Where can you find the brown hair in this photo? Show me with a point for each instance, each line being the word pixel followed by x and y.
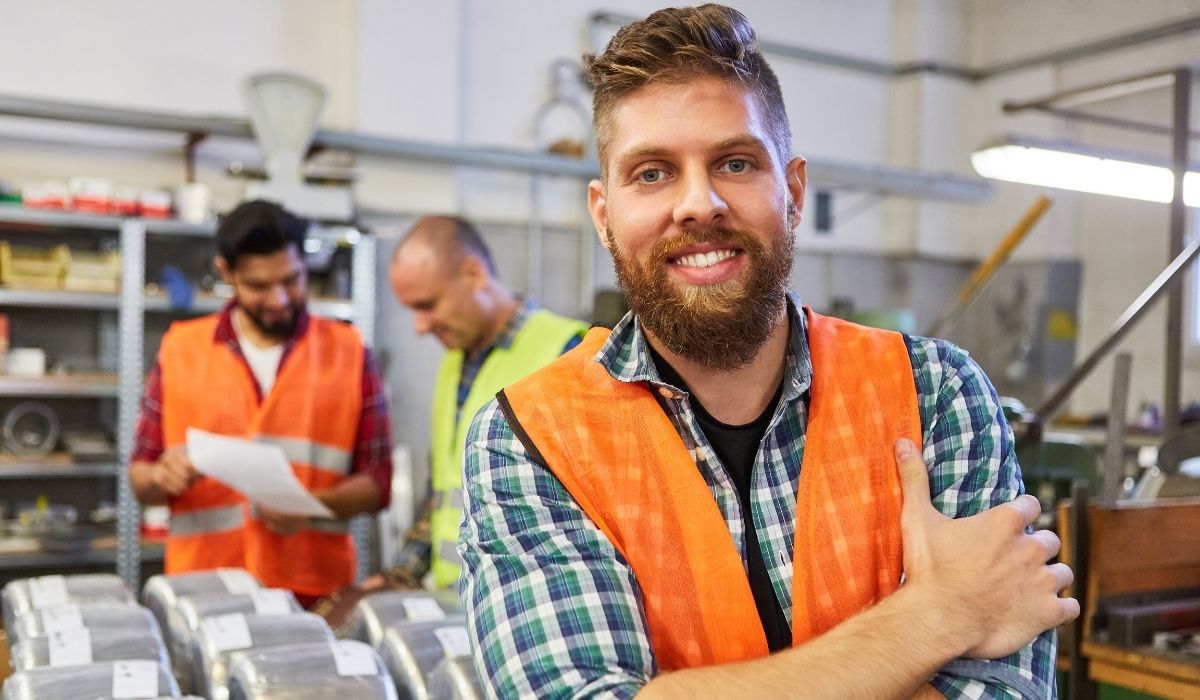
pixel 676 45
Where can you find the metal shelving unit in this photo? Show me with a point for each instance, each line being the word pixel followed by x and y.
pixel 127 342
pixel 40 470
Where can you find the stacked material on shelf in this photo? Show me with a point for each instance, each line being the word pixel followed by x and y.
pixel 345 670
pixel 378 611
pixel 412 650
pixel 190 611
pixel 79 647
pixel 22 596
pixel 118 679
pixel 218 637
pixel 93 618
pixel 162 593
pixel 455 679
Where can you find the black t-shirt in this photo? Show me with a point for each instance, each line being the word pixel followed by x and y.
pixel 736 446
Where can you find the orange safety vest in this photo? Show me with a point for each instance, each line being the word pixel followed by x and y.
pixel 620 458
pixel 312 412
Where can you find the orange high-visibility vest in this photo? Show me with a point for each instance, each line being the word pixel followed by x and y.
pixel 312 412
pixel 620 458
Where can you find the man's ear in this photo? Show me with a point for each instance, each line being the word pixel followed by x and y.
pixel 598 208
pixel 474 272
pixel 223 268
pixel 797 183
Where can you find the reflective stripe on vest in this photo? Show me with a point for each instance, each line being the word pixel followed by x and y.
pixel 537 343
pixel 448 552
pixel 621 459
pixel 206 520
pixel 300 451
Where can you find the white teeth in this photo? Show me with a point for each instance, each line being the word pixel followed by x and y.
pixel 705 259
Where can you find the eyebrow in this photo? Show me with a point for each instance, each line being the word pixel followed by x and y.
pixel 742 141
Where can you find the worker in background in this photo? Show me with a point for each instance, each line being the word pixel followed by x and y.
pixel 722 496
pixel 264 368
pixel 443 271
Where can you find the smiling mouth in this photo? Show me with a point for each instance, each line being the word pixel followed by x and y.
pixel 703 260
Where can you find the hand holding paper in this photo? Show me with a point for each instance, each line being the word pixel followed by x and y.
pixel 259 471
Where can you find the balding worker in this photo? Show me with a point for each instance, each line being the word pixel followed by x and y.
pixel 443 271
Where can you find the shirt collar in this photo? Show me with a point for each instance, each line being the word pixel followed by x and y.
pixel 626 356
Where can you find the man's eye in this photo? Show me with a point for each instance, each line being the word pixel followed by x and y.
pixel 737 165
pixel 650 176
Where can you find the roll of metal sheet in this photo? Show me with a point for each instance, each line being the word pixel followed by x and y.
pixel 81 646
pixel 219 636
pixel 161 593
pixel 190 610
pixel 345 670
pixel 412 650
pixel 378 611
pixel 138 679
pixel 21 596
pixel 455 679
pixel 126 618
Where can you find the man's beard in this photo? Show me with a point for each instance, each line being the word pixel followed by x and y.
pixel 719 326
pixel 283 329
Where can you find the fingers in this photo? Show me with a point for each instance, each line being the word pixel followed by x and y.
pixel 914 477
pixel 1022 511
pixel 1062 575
pixel 1050 543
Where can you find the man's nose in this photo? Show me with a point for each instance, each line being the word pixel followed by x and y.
pixel 699 202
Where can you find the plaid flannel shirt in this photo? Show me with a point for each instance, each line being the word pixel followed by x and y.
pixel 554 610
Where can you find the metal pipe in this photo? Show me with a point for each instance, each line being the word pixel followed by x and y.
pixel 1114 122
pixel 1118 410
pixel 1165 280
pixel 1136 83
pixel 1179 165
pixel 988 268
pixel 965 73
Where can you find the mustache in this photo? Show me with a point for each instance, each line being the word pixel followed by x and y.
pixel 666 249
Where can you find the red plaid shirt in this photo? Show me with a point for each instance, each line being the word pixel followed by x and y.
pixel 373 445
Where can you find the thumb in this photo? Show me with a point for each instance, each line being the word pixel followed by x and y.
pixel 914 477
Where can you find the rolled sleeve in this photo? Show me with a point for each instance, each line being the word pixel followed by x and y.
pixel 973 467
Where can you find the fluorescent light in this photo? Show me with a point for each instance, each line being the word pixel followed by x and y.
pixel 1065 170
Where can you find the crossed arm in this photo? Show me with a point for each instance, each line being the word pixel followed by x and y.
pixel 554 609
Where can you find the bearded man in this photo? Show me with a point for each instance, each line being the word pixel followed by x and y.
pixel 722 496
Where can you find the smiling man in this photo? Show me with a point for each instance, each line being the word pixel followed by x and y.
pixel 263 368
pixel 722 496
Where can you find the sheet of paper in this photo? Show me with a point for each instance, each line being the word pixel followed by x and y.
pixel 62 619
pixel 71 648
pixel 454 641
pixel 261 472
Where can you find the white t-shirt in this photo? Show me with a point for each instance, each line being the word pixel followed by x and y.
pixel 264 362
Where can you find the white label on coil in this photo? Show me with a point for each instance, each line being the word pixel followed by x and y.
pixel 270 602
pixel 354 660
pixel 135 679
pixel 423 609
pixel 61 619
pixel 228 632
pixel 47 592
pixel 70 648
pixel 236 581
pixel 454 641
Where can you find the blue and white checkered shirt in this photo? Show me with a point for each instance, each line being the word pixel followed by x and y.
pixel 554 610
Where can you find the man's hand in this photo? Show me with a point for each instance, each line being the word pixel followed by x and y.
pixel 173 473
pixel 986 576
pixel 281 523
